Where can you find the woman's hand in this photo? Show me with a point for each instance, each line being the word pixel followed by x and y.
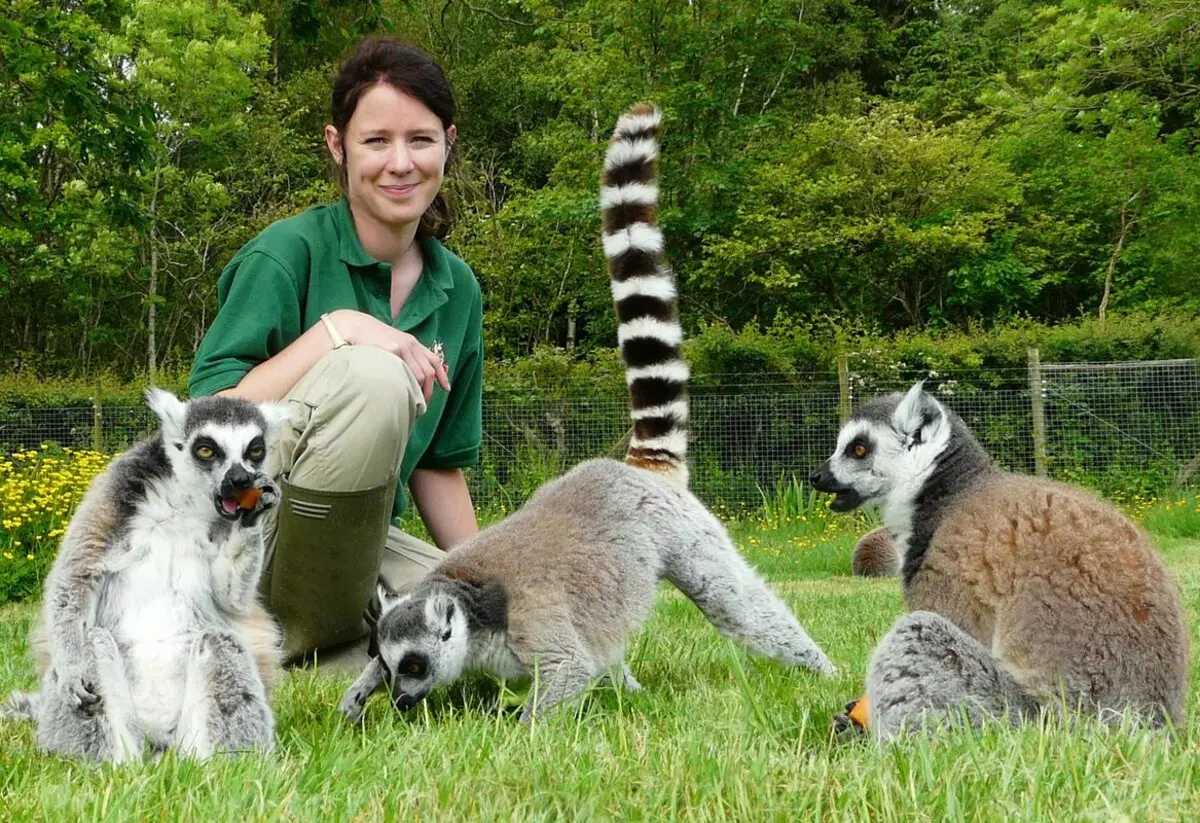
pixel 362 329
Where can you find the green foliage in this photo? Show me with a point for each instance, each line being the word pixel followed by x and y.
pixel 874 210
pixel 832 171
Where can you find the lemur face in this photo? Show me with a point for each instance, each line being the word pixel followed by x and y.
pixel 422 642
pixel 887 444
pixel 216 445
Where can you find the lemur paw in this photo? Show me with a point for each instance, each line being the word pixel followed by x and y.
pixel 851 722
pixel 353 703
pixel 270 492
pixel 78 691
pixel 268 498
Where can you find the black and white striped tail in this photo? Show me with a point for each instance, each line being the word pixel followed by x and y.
pixel 643 287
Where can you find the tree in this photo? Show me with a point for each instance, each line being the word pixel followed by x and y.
pixel 72 139
pixel 874 213
pixel 194 61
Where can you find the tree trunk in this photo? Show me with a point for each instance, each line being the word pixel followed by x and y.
pixel 152 290
pixel 1122 236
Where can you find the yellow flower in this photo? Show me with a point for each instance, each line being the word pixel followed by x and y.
pixel 29 557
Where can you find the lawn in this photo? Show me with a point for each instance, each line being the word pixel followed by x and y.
pixel 716 735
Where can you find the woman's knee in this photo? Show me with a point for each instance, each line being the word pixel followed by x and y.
pixel 374 388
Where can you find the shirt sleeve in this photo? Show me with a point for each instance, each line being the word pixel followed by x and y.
pixel 258 315
pixel 459 436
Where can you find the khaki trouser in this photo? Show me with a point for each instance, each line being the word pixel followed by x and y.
pixel 337 464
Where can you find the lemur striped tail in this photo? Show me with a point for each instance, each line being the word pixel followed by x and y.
pixel 643 290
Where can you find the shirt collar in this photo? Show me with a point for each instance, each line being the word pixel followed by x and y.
pixel 435 265
pixel 351 251
pixel 350 248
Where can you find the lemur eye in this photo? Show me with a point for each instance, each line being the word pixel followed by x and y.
pixel 413 665
pixel 205 452
pixel 860 450
pixel 256 452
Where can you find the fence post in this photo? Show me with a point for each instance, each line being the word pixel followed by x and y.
pixel 97 420
pixel 1038 412
pixel 844 407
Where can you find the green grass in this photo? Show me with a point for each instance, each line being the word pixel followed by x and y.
pixel 716 735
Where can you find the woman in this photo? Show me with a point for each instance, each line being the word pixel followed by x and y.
pixel 357 317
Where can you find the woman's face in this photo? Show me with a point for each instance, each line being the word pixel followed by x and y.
pixel 394 153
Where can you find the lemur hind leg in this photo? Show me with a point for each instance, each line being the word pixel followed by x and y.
pixel 621 675
pixel 225 705
pixel 94 717
pixel 927 670
pixel 713 575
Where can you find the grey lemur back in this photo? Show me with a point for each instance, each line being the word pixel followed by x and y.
pixel 556 589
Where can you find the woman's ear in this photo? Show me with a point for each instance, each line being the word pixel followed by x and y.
pixel 333 140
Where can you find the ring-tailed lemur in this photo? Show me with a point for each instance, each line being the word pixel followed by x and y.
pixel 1027 594
pixel 151 630
pixel 875 555
pixel 559 586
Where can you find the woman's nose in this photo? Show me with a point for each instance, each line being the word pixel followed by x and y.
pixel 400 158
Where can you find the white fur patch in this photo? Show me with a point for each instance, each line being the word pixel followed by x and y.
pixel 638 123
pixel 639 236
pixel 675 370
pixel 490 653
pixel 677 409
pixel 276 414
pixel 631 194
pixel 160 597
pixel 170 411
pixel 669 333
pixel 659 286
pixel 675 442
pixel 910 471
pixel 626 152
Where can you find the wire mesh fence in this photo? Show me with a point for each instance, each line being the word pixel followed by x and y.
pixel 1109 426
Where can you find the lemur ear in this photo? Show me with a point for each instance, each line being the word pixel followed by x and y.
pixel 919 418
pixel 170 411
pixel 275 413
pixel 388 599
pixel 443 607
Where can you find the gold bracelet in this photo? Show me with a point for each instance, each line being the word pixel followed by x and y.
pixel 334 334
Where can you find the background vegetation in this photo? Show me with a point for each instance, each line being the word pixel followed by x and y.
pixel 834 171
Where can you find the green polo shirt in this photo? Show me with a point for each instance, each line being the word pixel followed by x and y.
pixel 281 282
